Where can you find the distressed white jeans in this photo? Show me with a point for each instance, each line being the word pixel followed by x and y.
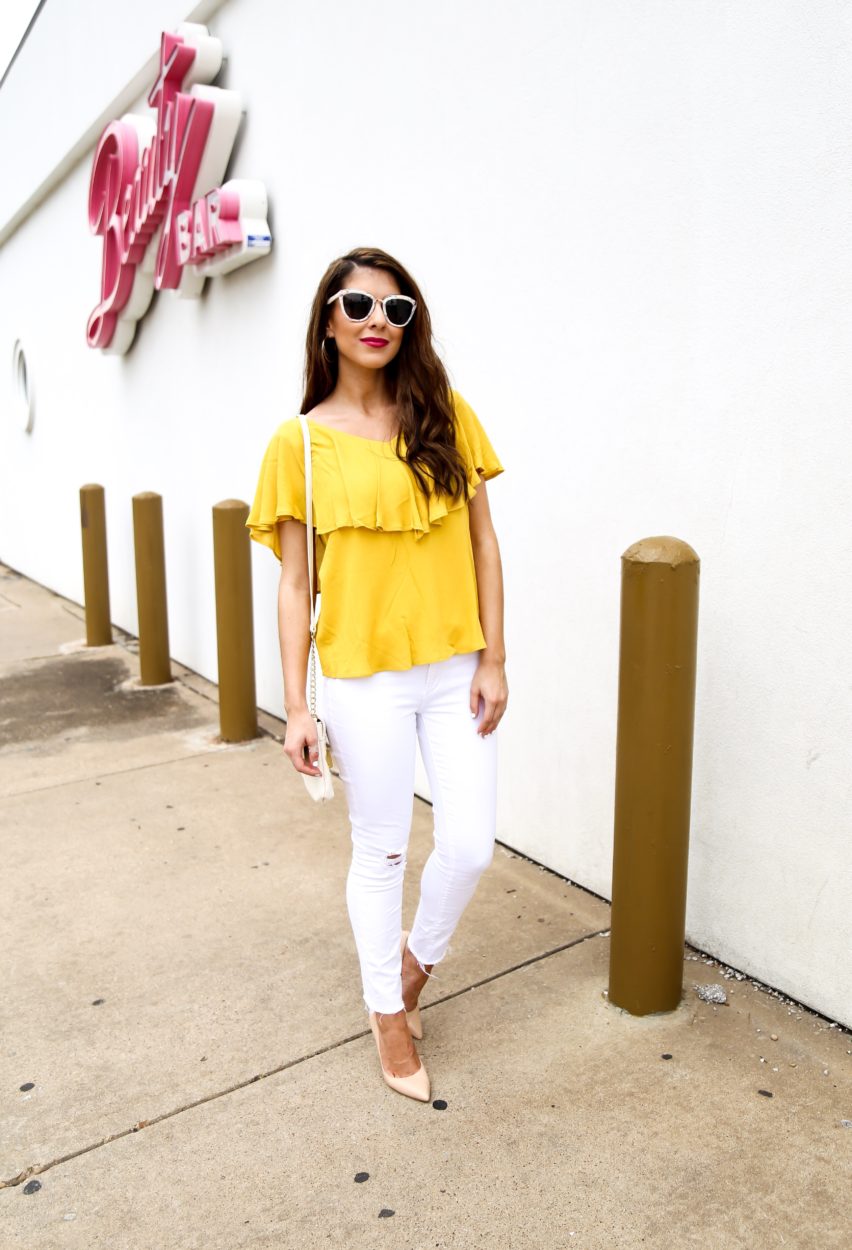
pixel 373 723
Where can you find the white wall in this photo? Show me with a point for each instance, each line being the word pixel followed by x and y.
pixel 631 224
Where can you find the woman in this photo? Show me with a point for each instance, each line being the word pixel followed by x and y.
pixel 410 630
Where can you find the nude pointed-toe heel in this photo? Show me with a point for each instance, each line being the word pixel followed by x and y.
pixel 415 1024
pixel 414 1086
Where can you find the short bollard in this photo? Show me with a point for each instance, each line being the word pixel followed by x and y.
pixel 154 664
pixel 95 570
pixel 653 782
pixel 234 621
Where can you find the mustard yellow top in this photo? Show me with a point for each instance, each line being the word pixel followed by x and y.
pixel 395 570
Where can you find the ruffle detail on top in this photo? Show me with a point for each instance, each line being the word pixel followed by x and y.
pixel 358 482
pixel 280 493
pixel 475 446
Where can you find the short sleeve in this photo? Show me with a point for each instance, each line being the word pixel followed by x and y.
pixel 474 444
pixel 280 493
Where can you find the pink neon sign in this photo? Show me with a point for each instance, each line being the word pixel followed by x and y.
pixel 155 193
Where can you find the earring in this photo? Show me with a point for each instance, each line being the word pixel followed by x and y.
pixel 324 349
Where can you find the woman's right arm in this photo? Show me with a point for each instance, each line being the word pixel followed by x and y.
pixel 294 632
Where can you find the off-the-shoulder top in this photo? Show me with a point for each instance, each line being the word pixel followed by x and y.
pixel 396 574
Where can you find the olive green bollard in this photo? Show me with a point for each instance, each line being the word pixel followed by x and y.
pixel 653 781
pixel 95 570
pixel 234 621
pixel 154 664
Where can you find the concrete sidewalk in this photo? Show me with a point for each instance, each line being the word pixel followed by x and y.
pixel 187 1061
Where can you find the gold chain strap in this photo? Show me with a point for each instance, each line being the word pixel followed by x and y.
pixel 309 529
pixel 313 673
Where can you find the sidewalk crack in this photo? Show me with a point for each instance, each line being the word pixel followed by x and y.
pixel 35 1169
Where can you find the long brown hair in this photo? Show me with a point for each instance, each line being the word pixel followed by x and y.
pixel 417 379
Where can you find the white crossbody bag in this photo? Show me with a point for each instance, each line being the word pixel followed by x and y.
pixel 320 788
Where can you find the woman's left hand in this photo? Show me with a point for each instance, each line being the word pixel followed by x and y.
pixel 489 682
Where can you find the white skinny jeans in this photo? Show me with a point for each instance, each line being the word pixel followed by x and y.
pixel 372 722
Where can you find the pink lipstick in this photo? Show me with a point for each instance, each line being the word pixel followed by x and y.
pixel 376 342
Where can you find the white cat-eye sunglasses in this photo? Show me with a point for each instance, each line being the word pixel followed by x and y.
pixel 359 305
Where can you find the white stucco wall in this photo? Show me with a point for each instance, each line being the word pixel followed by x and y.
pixel 631 222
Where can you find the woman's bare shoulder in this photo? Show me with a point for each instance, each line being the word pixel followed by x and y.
pixel 324 414
pixel 330 414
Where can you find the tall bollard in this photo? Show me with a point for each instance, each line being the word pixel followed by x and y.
pixel 653 783
pixel 95 569
pixel 234 621
pixel 154 664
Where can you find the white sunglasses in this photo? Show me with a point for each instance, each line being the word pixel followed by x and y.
pixel 359 305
